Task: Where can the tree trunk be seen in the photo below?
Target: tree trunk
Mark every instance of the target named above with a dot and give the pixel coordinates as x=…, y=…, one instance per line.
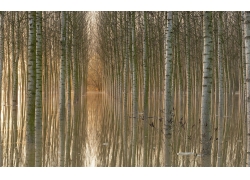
x=247, y=53
x=1, y=67
x=168, y=94
x=146, y=88
x=38, y=111
x=135, y=91
x=62, y=89
x=206, y=91
x=30, y=117
x=221, y=92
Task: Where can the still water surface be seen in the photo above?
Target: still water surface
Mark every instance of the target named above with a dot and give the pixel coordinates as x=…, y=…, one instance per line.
x=99, y=130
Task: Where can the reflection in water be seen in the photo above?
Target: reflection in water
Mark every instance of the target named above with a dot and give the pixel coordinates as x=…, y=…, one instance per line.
x=105, y=141
x=98, y=134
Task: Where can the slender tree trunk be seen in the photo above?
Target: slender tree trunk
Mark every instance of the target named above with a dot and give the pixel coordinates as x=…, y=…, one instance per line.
x=146, y=88
x=221, y=92
x=62, y=89
x=135, y=92
x=188, y=90
x=245, y=90
x=30, y=117
x=1, y=67
x=125, y=100
x=247, y=54
x=68, y=61
x=206, y=91
x=15, y=57
x=75, y=87
x=168, y=94
x=38, y=105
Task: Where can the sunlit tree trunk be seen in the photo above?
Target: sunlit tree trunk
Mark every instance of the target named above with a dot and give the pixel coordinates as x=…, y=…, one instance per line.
x=146, y=89
x=221, y=92
x=247, y=54
x=62, y=89
x=38, y=104
x=168, y=94
x=206, y=91
x=1, y=67
x=30, y=117
x=135, y=91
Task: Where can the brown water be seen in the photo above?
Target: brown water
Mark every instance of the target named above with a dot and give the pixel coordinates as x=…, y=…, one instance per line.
x=99, y=135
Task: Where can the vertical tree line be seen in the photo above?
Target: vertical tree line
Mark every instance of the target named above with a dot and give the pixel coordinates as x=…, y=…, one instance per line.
x=186, y=72
x=36, y=85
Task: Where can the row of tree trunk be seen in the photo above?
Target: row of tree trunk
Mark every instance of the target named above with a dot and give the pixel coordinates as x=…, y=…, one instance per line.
x=44, y=56
x=194, y=62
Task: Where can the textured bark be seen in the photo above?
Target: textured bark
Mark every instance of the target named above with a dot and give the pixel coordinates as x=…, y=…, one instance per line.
x=221, y=92
x=30, y=117
x=168, y=94
x=62, y=90
x=206, y=91
x=38, y=105
x=1, y=67
x=247, y=54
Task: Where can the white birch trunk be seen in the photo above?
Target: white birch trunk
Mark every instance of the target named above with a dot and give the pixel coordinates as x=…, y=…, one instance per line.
x=168, y=94
x=206, y=91
x=247, y=54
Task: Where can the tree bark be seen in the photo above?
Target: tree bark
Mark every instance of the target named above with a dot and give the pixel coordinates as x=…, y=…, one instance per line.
x=62, y=90
x=38, y=105
x=168, y=94
x=30, y=118
x=206, y=91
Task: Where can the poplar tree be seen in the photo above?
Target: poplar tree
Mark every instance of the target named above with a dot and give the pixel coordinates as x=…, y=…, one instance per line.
x=206, y=91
